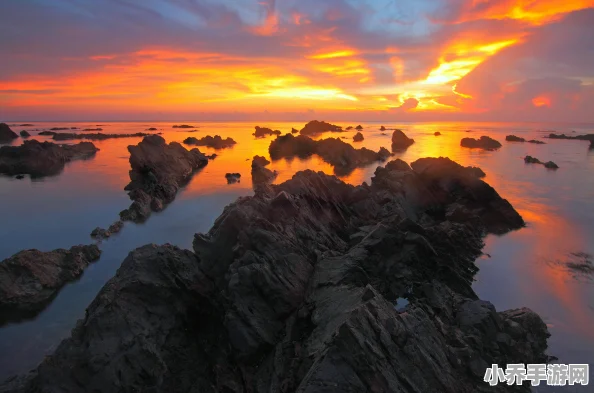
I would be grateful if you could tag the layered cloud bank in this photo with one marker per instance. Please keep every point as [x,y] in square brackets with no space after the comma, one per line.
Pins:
[248,59]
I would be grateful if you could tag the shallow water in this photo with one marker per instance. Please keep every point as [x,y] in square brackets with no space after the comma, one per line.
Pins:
[525,268]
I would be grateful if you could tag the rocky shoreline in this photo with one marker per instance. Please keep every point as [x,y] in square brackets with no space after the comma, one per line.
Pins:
[299,289]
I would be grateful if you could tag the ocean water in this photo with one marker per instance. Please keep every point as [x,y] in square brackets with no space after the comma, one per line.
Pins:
[525,268]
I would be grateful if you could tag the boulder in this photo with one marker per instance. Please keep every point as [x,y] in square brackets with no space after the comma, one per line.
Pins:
[40,159]
[513,138]
[30,279]
[400,141]
[315,127]
[215,142]
[6,134]
[260,174]
[158,171]
[358,137]
[25,134]
[262,132]
[485,143]
[233,177]
[551,165]
[531,160]
[382,128]
[359,127]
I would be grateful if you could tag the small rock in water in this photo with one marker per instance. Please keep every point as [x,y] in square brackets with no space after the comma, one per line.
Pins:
[437,133]
[232,177]
[358,137]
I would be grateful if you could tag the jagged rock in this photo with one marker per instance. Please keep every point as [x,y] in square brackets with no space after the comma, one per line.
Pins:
[359,127]
[31,278]
[294,131]
[587,137]
[513,138]
[400,141]
[215,142]
[358,137]
[183,126]
[101,234]
[398,165]
[342,156]
[293,290]
[6,134]
[382,128]
[485,143]
[533,160]
[25,134]
[232,177]
[437,133]
[158,171]
[262,132]
[40,159]
[315,127]
[260,174]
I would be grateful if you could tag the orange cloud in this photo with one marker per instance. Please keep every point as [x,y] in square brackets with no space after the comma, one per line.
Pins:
[541,101]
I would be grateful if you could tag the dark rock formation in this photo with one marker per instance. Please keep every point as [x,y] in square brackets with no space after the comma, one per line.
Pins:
[342,156]
[382,128]
[513,138]
[158,171]
[260,174]
[437,133]
[47,133]
[262,132]
[93,136]
[100,233]
[233,177]
[484,143]
[25,125]
[215,142]
[152,129]
[533,160]
[6,134]
[587,137]
[294,290]
[358,137]
[93,129]
[400,141]
[315,127]
[19,177]
[359,127]
[25,134]
[183,126]
[60,128]
[591,145]
[294,131]
[349,128]
[30,279]
[40,159]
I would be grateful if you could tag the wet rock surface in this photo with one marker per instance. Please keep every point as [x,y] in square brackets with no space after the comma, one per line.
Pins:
[513,138]
[262,132]
[40,159]
[400,141]
[30,279]
[158,171]
[534,160]
[293,290]
[6,134]
[316,127]
[358,137]
[341,155]
[484,142]
[215,142]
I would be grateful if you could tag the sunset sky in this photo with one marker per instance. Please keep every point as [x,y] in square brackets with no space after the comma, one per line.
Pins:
[527,60]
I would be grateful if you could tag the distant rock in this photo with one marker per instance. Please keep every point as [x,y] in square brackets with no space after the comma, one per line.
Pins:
[183,126]
[591,144]
[513,138]
[262,132]
[100,233]
[40,159]
[233,177]
[260,174]
[158,171]
[587,137]
[349,128]
[485,143]
[25,134]
[25,125]
[341,155]
[294,131]
[315,127]
[93,129]
[6,134]
[59,136]
[533,160]
[359,127]
[19,177]
[30,279]
[358,137]
[215,142]
[437,133]
[59,128]
[382,128]
[152,129]
[400,141]
[551,165]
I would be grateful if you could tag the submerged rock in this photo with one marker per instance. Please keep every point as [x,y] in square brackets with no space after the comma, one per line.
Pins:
[233,177]
[358,137]
[183,126]
[30,279]
[315,127]
[6,134]
[400,141]
[485,143]
[262,132]
[533,160]
[215,142]
[25,134]
[341,155]
[40,159]
[293,290]
[158,171]
[101,234]
[260,174]
[513,138]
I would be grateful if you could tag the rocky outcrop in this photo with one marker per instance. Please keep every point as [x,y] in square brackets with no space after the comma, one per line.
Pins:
[30,279]
[62,128]
[316,127]
[158,171]
[349,128]
[260,174]
[342,156]
[400,141]
[358,137]
[215,142]
[359,127]
[485,143]
[587,137]
[591,145]
[294,131]
[513,138]
[262,132]
[382,128]
[40,159]
[101,234]
[25,134]
[93,129]
[233,177]
[6,134]
[437,133]
[298,289]
[533,160]
[151,129]
[183,126]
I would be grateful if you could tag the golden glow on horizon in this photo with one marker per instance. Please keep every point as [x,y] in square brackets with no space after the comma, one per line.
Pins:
[333,55]
[541,101]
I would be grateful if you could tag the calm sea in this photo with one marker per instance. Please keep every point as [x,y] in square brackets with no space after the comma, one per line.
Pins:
[525,268]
